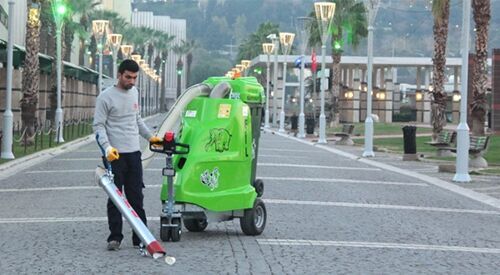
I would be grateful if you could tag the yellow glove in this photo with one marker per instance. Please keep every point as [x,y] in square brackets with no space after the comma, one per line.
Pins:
[112,154]
[156,140]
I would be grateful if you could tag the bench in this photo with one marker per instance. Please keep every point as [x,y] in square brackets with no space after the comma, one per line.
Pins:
[345,135]
[444,142]
[478,144]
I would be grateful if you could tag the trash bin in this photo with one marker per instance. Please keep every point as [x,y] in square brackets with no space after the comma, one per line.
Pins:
[310,125]
[410,142]
[295,122]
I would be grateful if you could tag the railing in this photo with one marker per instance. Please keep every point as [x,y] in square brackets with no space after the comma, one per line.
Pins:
[43,135]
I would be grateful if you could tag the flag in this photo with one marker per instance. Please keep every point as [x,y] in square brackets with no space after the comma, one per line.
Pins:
[314,65]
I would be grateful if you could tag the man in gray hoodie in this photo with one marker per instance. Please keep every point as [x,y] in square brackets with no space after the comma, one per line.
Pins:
[118,122]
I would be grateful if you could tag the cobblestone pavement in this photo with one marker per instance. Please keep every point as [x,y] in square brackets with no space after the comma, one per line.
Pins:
[482,183]
[328,213]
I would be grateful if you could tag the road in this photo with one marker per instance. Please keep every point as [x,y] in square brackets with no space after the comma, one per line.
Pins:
[327,214]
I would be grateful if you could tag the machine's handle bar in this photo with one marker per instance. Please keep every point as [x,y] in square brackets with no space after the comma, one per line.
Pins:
[169,148]
[104,159]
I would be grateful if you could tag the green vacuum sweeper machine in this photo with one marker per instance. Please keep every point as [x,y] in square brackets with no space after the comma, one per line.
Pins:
[210,142]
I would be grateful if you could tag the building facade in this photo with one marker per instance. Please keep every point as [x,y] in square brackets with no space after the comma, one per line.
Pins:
[122,7]
[20,7]
[175,27]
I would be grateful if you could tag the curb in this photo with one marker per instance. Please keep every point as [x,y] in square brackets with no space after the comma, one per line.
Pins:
[479,197]
[12,167]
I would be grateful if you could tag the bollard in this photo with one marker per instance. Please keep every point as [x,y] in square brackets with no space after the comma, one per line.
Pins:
[410,143]
[294,121]
[25,142]
[41,139]
[310,125]
[50,138]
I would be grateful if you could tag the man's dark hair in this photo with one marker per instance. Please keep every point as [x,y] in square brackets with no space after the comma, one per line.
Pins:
[128,65]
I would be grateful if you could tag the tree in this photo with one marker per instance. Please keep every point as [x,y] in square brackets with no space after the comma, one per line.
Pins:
[441,13]
[482,15]
[239,28]
[190,47]
[71,28]
[208,64]
[83,8]
[348,27]
[31,77]
[133,36]
[139,37]
[162,43]
[252,46]
[180,50]
[116,23]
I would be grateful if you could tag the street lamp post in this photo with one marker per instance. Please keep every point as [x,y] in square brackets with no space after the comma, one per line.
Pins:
[99,29]
[463,143]
[126,50]
[275,41]
[142,86]
[372,12]
[303,24]
[241,68]
[115,40]
[324,14]
[8,117]
[145,69]
[59,11]
[267,48]
[180,64]
[286,41]
[246,64]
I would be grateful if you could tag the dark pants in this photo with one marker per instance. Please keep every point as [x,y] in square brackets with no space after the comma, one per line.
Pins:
[128,177]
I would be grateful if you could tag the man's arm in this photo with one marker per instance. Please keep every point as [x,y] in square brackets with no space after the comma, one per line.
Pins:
[99,125]
[144,131]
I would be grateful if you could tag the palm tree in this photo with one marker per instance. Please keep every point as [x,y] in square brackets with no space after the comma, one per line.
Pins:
[69,30]
[83,8]
[180,50]
[162,44]
[252,46]
[138,37]
[482,15]
[47,29]
[190,47]
[348,27]
[31,77]
[441,13]
[116,23]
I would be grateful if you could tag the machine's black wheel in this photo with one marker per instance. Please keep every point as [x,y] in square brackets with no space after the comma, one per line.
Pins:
[258,184]
[196,225]
[175,232]
[253,221]
[164,231]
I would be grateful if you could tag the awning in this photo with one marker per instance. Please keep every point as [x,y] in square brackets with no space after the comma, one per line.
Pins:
[46,61]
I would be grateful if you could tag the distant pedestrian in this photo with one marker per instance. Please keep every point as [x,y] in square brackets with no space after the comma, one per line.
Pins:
[118,122]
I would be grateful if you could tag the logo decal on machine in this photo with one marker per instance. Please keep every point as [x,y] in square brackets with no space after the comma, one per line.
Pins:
[224,111]
[210,179]
[219,140]
[190,113]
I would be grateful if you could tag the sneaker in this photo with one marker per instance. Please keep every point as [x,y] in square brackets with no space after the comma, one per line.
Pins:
[113,245]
